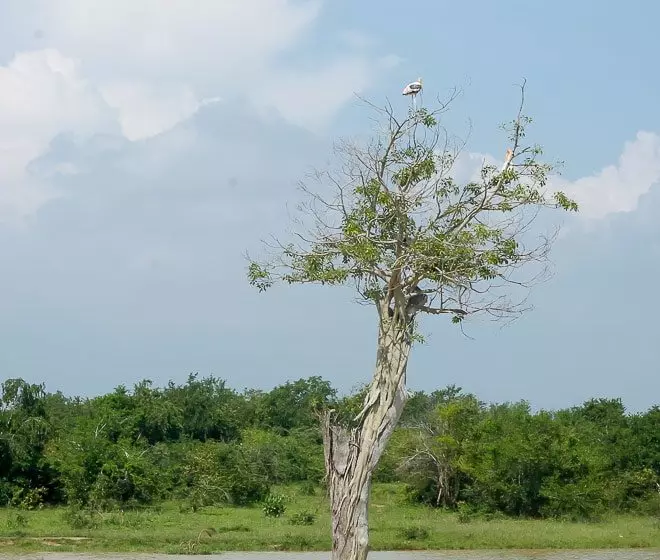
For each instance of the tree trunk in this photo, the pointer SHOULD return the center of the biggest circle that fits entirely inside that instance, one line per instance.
(351, 454)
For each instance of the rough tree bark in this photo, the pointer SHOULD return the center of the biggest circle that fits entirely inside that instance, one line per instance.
(351, 454)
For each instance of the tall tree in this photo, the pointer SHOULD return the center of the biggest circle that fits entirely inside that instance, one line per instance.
(412, 240)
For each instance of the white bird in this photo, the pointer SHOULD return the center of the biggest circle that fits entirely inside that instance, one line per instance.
(413, 88)
(507, 158)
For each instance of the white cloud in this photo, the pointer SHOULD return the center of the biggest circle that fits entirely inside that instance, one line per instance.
(41, 93)
(146, 111)
(170, 39)
(311, 99)
(618, 188)
(149, 65)
(154, 59)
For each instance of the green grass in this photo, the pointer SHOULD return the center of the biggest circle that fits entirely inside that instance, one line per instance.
(395, 525)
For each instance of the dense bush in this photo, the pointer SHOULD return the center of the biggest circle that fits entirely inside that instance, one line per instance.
(217, 473)
(205, 444)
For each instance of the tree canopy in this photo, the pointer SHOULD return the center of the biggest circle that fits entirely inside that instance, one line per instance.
(390, 217)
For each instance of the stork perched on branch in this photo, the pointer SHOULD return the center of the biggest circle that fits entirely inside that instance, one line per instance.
(413, 88)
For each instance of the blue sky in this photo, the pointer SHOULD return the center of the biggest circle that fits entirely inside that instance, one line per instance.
(144, 146)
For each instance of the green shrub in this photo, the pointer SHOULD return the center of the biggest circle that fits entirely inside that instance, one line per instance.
(6, 492)
(16, 521)
(579, 501)
(649, 506)
(464, 513)
(308, 488)
(29, 498)
(303, 518)
(103, 474)
(284, 459)
(77, 518)
(223, 473)
(414, 533)
(296, 542)
(274, 505)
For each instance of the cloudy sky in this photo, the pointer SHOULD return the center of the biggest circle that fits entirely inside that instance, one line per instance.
(145, 145)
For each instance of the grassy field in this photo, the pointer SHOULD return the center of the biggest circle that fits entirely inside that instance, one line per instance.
(395, 525)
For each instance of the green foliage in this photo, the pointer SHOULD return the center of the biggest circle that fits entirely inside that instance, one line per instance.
(414, 533)
(29, 498)
(398, 219)
(577, 501)
(464, 513)
(284, 459)
(218, 473)
(308, 488)
(303, 518)
(274, 505)
(573, 464)
(207, 408)
(348, 407)
(294, 405)
(451, 451)
(129, 519)
(25, 475)
(17, 521)
(437, 441)
(98, 472)
(78, 518)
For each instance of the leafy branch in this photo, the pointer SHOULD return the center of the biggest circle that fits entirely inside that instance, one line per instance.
(391, 219)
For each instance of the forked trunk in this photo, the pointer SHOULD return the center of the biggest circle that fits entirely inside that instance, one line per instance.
(351, 455)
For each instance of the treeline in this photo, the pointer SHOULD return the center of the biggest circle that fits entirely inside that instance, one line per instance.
(204, 443)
